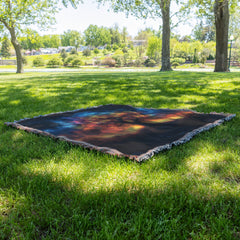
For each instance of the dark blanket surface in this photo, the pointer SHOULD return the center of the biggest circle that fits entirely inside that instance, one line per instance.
(124, 130)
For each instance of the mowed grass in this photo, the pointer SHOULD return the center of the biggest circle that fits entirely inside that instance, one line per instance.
(53, 190)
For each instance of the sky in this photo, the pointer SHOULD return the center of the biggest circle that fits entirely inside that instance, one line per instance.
(88, 13)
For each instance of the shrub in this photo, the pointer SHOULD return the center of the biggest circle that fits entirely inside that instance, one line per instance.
(125, 50)
(109, 48)
(74, 51)
(115, 46)
(63, 54)
(126, 59)
(54, 62)
(178, 60)
(76, 62)
(118, 52)
(24, 60)
(96, 50)
(150, 62)
(109, 61)
(97, 62)
(203, 59)
(175, 64)
(68, 60)
(119, 60)
(105, 52)
(138, 62)
(86, 52)
(38, 62)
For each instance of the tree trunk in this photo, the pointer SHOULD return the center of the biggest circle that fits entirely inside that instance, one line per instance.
(221, 12)
(17, 48)
(165, 8)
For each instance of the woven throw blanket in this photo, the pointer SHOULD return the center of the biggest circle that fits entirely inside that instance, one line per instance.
(122, 130)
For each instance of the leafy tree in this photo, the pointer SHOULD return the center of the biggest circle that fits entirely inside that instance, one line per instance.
(5, 49)
(97, 36)
(205, 33)
(154, 48)
(145, 8)
(86, 52)
(38, 62)
(76, 62)
(16, 15)
(96, 50)
(54, 62)
(144, 34)
(221, 10)
(72, 38)
(74, 51)
(115, 35)
(31, 41)
(51, 41)
(234, 26)
(63, 54)
(124, 35)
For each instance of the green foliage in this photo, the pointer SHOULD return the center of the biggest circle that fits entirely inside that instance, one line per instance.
(154, 48)
(96, 50)
(195, 57)
(86, 52)
(125, 50)
(74, 51)
(38, 62)
(24, 60)
(178, 60)
(118, 52)
(68, 60)
(234, 25)
(115, 35)
(53, 190)
(97, 36)
(119, 60)
(72, 38)
(175, 64)
(17, 14)
(51, 41)
(5, 49)
(115, 47)
(73, 61)
(150, 62)
(54, 62)
(205, 33)
(97, 62)
(109, 62)
(145, 35)
(138, 62)
(109, 47)
(105, 51)
(77, 62)
(192, 50)
(31, 40)
(63, 54)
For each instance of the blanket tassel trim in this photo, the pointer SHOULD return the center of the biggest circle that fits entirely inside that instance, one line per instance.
(187, 137)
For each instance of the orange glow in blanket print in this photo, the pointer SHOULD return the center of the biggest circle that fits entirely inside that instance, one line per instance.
(111, 125)
(123, 130)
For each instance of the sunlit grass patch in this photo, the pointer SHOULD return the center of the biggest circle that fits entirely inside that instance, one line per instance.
(53, 190)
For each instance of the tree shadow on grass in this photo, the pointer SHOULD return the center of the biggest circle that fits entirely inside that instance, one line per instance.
(38, 95)
(110, 198)
(44, 206)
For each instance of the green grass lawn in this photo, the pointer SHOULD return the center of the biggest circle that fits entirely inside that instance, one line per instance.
(52, 190)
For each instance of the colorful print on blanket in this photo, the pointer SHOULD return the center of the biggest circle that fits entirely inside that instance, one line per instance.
(125, 130)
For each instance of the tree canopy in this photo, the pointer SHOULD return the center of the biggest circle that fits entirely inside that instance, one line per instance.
(97, 36)
(17, 15)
